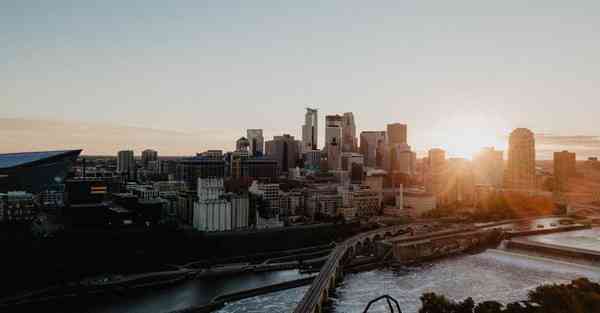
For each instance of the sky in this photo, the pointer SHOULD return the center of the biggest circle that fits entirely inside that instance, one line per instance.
(461, 74)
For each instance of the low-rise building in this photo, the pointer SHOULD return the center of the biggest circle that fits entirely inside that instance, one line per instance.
(418, 202)
(17, 207)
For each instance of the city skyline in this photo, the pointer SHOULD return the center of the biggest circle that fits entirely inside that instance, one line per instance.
(450, 71)
(106, 139)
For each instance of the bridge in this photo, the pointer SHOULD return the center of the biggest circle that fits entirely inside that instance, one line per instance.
(332, 271)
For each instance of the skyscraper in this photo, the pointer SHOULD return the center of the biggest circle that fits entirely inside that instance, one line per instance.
(349, 141)
(488, 167)
(564, 168)
(126, 164)
(257, 142)
(396, 133)
(372, 145)
(242, 144)
(520, 173)
(284, 149)
(333, 130)
(310, 130)
(435, 180)
(148, 156)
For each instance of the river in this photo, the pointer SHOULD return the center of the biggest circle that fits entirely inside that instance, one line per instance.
(492, 275)
(499, 275)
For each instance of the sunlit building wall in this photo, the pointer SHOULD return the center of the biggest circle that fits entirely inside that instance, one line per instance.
(520, 173)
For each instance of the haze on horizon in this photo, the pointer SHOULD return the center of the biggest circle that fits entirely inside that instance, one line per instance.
(461, 74)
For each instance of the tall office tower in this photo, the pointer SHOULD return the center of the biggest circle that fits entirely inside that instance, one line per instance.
(488, 167)
(372, 147)
(148, 156)
(242, 144)
(349, 141)
(435, 179)
(310, 130)
(460, 181)
(564, 168)
(520, 173)
(312, 160)
(257, 142)
(333, 130)
(402, 159)
(396, 133)
(284, 149)
(126, 164)
(334, 155)
(238, 164)
(211, 211)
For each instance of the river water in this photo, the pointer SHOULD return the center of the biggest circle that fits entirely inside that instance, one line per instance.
(499, 275)
(492, 275)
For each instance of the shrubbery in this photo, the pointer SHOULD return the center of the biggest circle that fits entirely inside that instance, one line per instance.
(579, 296)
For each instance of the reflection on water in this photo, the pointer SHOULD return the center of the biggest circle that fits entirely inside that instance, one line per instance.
(583, 239)
(492, 275)
(283, 301)
(168, 299)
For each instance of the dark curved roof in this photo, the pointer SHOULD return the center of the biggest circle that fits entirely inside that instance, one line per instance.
(9, 160)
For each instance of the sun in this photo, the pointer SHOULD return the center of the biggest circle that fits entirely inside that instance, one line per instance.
(464, 137)
(469, 142)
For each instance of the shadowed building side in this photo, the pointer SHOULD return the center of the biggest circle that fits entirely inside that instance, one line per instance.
(35, 171)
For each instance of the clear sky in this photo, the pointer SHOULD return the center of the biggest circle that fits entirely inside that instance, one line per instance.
(459, 73)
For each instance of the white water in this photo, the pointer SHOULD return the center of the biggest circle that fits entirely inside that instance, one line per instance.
(493, 275)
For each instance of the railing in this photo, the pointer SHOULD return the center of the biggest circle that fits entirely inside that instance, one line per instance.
(313, 296)
(389, 301)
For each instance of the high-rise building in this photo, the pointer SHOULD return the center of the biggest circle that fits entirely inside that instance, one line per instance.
(436, 178)
(372, 147)
(126, 164)
(191, 169)
(333, 130)
(312, 160)
(283, 149)
(402, 159)
(242, 144)
(520, 173)
(396, 133)
(564, 168)
(257, 142)
(310, 130)
(349, 141)
(148, 156)
(334, 154)
(488, 166)
(236, 163)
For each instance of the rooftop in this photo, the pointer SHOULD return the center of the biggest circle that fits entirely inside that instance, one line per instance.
(16, 159)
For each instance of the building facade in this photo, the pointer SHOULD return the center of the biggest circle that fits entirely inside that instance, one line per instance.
(520, 173)
(283, 149)
(372, 147)
(148, 155)
(488, 165)
(310, 130)
(349, 141)
(257, 142)
(126, 164)
(564, 168)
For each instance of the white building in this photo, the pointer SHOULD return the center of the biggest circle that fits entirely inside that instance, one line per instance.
(212, 212)
(240, 207)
